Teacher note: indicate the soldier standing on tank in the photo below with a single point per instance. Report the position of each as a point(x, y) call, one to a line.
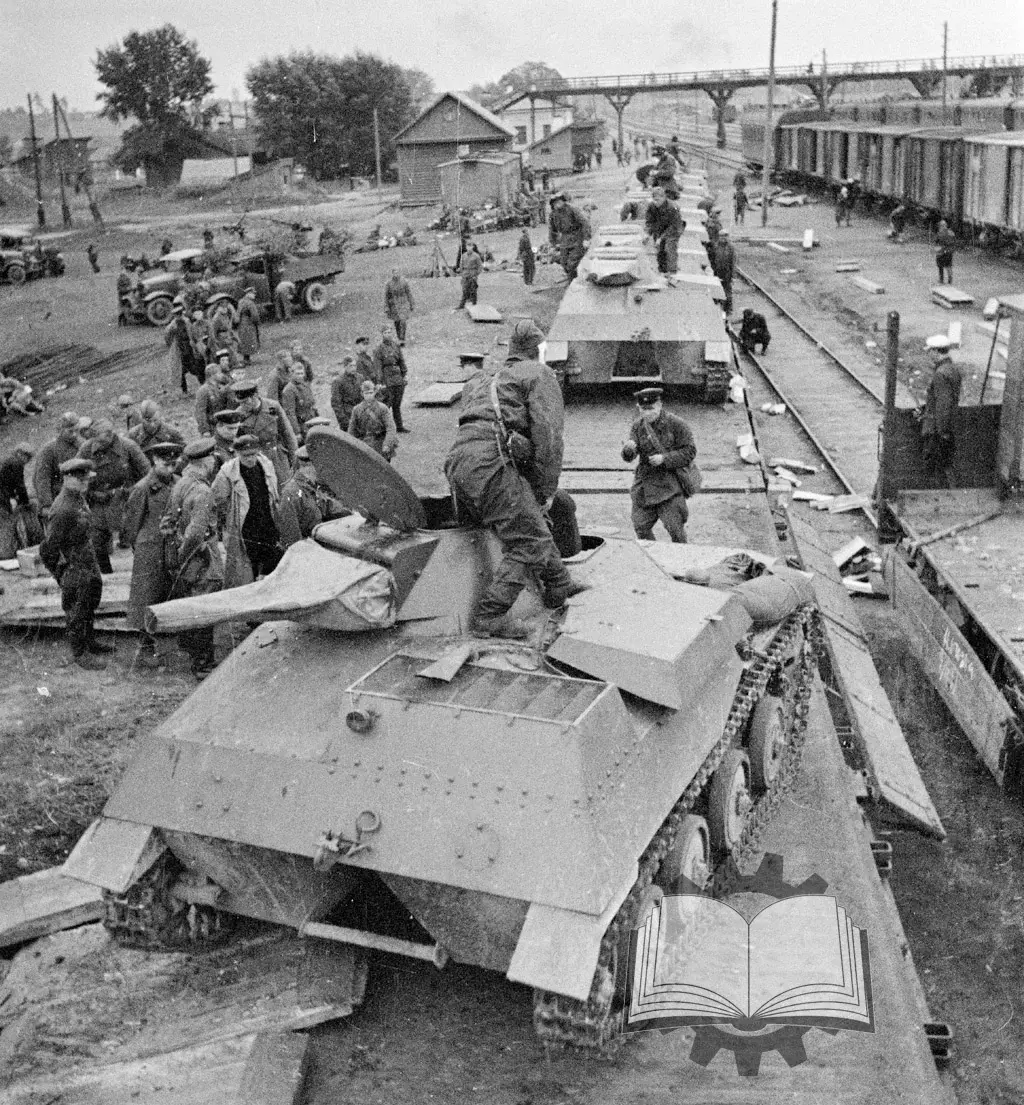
point(665, 447)
point(191, 524)
point(245, 491)
point(146, 506)
point(47, 478)
point(70, 557)
point(266, 421)
point(119, 465)
point(300, 510)
point(568, 229)
point(939, 415)
point(503, 470)
point(665, 225)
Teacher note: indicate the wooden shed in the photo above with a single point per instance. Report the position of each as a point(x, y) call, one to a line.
point(452, 127)
point(554, 152)
point(475, 181)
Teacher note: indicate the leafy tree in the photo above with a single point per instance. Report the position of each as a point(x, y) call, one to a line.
point(6, 148)
point(319, 109)
point(983, 84)
point(519, 79)
point(160, 79)
point(421, 87)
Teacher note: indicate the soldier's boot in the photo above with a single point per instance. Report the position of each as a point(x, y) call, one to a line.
point(97, 648)
point(501, 625)
point(557, 594)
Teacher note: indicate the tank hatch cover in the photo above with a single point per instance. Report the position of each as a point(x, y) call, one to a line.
point(662, 642)
point(362, 480)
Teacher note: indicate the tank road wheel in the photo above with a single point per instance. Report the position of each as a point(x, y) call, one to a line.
point(16, 274)
point(315, 297)
point(767, 742)
point(729, 801)
point(148, 915)
point(688, 863)
point(159, 311)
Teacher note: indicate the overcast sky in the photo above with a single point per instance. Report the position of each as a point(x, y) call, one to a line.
point(49, 45)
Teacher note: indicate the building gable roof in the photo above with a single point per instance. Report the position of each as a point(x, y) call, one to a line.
point(469, 105)
point(554, 134)
point(514, 98)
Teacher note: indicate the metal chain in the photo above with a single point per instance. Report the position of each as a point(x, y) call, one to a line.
point(592, 1024)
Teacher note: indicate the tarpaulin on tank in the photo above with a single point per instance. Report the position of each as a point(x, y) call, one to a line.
point(311, 584)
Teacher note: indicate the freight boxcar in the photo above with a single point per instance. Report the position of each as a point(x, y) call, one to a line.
point(994, 180)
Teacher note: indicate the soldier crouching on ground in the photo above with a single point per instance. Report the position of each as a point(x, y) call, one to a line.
point(70, 557)
point(503, 469)
point(666, 450)
point(753, 332)
point(196, 567)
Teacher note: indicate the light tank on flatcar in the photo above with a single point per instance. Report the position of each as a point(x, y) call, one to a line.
point(517, 800)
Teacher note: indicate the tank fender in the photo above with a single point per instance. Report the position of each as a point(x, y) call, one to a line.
point(114, 854)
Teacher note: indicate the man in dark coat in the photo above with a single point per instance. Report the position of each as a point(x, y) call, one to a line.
point(394, 373)
point(46, 478)
point(470, 267)
point(214, 396)
point(664, 225)
point(346, 392)
point(527, 257)
point(191, 524)
point(365, 366)
point(70, 557)
point(665, 447)
point(754, 331)
point(297, 401)
point(938, 417)
point(119, 464)
point(723, 265)
point(300, 507)
point(265, 420)
point(503, 469)
point(568, 229)
point(373, 422)
point(225, 430)
point(146, 506)
point(945, 243)
point(398, 302)
point(152, 429)
point(180, 332)
point(15, 504)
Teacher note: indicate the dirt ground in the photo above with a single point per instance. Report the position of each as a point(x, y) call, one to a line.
point(65, 734)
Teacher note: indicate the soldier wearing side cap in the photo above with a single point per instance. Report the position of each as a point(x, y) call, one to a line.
point(503, 469)
point(190, 523)
point(265, 420)
point(346, 392)
point(297, 400)
point(70, 557)
point(938, 417)
point(46, 477)
point(373, 423)
point(146, 506)
point(666, 450)
point(120, 464)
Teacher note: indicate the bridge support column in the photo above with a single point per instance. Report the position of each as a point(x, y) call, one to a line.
point(619, 101)
point(720, 96)
point(925, 81)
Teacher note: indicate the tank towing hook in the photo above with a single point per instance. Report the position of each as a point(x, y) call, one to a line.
point(331, 849)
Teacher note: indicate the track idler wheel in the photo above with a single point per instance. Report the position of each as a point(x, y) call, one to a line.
point(729, 801)
point(767, 742)
point(687, 866)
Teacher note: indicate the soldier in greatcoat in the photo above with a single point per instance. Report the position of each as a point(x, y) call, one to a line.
point(300, 510)
point(152, 429)
point(568, 229)
point(938, 418)
point(346, 392)
point(248, 326)
point(119, 464)
point(46, 477)
point(373, 423)
point(297, 401)
point(215, 395)
point(268, 423)
point(245, 491)
point(146, 506)
point(390, 363)
point(398, 302)
point(666, 448)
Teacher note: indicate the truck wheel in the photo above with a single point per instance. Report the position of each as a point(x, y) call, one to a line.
point(729, 801)
point(159, 311)
point(16, 274)
point(688, 863)
point(315, 297)
point(767, 742)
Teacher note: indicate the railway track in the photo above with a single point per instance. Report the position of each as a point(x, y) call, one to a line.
point(837, 410)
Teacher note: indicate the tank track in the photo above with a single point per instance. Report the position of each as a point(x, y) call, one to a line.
point(147, 916)
point(716, 385)
point(594, 1024)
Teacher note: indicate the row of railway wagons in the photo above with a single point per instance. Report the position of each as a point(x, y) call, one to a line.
point(972, 177)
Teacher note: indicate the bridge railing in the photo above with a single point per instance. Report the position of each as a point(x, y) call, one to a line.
point(808, 73)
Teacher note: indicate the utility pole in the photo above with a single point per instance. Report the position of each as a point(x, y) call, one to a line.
point(766, 172)
point(945, 44)
point(234, 152)
point(884, 488)
point(94, 209)
point(65, 210)
point(40, 210)
point(376, 146)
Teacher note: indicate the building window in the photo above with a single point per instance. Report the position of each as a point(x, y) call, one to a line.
point(547, 131)
point(521, 136)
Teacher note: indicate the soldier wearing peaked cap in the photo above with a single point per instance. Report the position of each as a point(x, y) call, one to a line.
point(225, 429)
point(267, 421)
point(664, 475)
point(503, 469)
point(69, 556)
point(146, 506)
point(938, 419)
point(245, 491)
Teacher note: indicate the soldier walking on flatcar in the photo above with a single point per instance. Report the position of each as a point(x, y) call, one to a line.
point(665, 225)
point(568, 229)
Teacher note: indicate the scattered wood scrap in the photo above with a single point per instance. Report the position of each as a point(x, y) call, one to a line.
point(812, 497)
point(789, 477)
point(43, 902)
point(945, 295)
point(869, 285)
point(483, 312)
point(794, 465)
point(779, 248)
point(808, 242)
point(848, 266)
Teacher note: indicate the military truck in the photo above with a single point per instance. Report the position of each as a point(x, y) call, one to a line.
point(24, 257)
point(520, 800)
point(152, 298)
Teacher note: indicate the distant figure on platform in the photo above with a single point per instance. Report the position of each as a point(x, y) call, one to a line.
point(844, 205)
point(526, 256)
point(723, 265)
point(945, 242)
point(470, 268)
point(94, 256)
point(740, 204)
point(938, 417)
point(666, 449)
point(398, 303)
point(898, 223)
point(753, 332)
